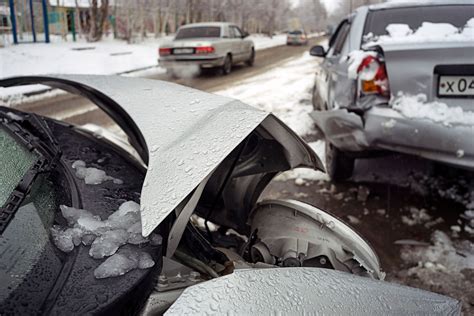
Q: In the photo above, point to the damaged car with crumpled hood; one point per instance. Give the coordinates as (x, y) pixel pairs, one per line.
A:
(398, 77)
(171, 219)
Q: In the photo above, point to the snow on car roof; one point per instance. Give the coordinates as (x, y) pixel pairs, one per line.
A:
(203, 24)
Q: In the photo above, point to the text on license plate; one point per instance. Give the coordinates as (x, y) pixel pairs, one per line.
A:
(183, 51)
(456, 86)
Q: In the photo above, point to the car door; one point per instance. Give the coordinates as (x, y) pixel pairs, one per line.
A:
(241, 50)
(340, 89)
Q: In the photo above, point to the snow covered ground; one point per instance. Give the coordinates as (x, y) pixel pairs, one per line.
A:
(102, 58)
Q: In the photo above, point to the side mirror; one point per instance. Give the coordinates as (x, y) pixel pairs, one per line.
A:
(317, 51)
(245, 34)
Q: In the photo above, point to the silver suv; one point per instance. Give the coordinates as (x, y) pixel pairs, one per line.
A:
(398, 77)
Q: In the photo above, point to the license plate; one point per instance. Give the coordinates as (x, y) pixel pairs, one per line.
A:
(180, 51)
(456, 86)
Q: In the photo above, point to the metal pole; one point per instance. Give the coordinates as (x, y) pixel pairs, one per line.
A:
(13, 21)
(46, 22)
(32, 17)
(73, 26)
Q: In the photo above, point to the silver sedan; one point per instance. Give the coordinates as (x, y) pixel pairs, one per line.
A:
(207, 45)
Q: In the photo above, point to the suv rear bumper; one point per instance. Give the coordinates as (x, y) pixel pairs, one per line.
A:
(382, 128)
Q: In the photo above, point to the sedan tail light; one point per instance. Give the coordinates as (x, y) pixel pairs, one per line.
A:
(165, 51)
(204, 50)
(372, 76)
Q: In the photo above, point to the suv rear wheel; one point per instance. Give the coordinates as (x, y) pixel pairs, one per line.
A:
(339, 166)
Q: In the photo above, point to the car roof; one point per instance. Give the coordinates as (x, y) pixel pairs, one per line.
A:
(201, 24)
(408, 3)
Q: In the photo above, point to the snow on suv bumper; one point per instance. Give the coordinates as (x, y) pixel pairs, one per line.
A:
(382, 128)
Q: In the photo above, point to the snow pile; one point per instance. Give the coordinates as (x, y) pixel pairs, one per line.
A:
(398, 30)
(92, 175)
(354, 59)
(285, 91)
(427, 32)
(417, 107)
(262, 41)
(302, 175)
(443, 255)
(105, 237)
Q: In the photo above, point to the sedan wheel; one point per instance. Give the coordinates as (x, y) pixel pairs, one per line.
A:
(251, 60)
(227, 67)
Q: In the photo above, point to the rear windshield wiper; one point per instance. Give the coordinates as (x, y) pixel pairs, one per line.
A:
(34, 133)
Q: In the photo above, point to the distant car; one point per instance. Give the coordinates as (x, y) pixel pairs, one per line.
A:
(208, 45)
(297, 37)
(358, 114)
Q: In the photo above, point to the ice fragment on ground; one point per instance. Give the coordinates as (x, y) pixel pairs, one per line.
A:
(416, 217)
(363, 193)
(107, 244)
(353, 220)
(455, 228)
(381, 211)
(122, 262)
(92, 175)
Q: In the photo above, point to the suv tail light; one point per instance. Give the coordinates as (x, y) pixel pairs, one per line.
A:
(372, 76)
(204, 50)
(165, 51)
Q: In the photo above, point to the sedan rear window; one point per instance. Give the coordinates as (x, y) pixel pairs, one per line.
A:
(295, 33)
(457, 15)
(199, 32)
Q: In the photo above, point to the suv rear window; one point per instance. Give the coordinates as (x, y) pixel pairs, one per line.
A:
(295, 33)
(199, 32)
(457, 15)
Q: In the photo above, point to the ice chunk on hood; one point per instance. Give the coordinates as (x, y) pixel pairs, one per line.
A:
(122, 262)
(92, 175)
(105, 236)
(107, 244)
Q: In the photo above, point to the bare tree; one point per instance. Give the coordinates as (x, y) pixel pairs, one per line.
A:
(97, 18)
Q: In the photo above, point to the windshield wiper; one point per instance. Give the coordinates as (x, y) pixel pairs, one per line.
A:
(34, 133)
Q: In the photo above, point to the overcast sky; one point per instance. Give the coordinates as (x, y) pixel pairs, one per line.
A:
(330, 5)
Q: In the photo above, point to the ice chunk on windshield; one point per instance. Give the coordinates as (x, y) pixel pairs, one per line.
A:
(92, 175)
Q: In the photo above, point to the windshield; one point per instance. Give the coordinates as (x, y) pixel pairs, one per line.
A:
(15, 161)
(199, 32)
(457, 15)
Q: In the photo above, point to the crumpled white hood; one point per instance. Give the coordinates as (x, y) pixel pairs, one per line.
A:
(188, 132)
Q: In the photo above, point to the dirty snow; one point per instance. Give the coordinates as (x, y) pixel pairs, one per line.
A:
(105, 237)
(92, 175)
(417, 107)
(444, 264)
(281, 91)
(427, 32)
